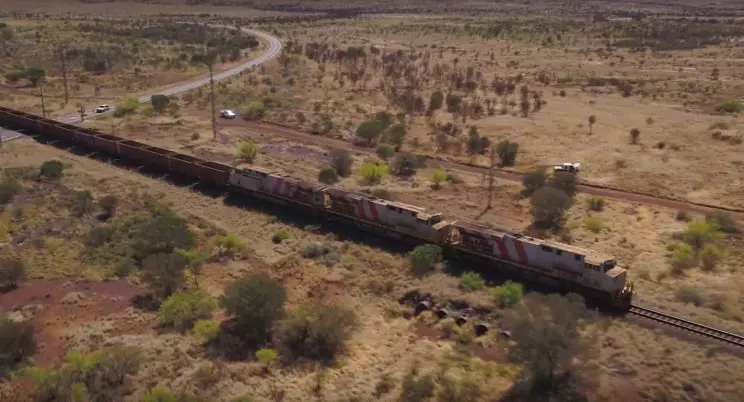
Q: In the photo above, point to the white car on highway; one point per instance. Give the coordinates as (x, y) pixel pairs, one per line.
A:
(227, 114)
(103, 108)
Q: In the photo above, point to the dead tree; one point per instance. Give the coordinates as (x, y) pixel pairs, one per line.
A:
(491, 178)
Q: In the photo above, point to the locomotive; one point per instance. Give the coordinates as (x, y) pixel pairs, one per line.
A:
(594, 275)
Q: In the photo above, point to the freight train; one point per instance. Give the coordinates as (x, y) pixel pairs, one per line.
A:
(592, 274)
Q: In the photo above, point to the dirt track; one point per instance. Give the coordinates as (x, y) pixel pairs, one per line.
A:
(586, 188)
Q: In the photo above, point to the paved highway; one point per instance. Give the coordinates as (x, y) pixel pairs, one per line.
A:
(275, 47)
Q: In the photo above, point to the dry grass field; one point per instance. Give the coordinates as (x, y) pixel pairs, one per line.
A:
(677, 82)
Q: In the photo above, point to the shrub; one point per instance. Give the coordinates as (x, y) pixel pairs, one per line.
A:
(416, 389)
(256, 302)
(328, 175)
(253, 111)
(724, 221)
(682, 216)
(109, 204)
(533, 180)
(267, 356)
(316, 332)
(634, 134)
(52, 169)
(17, 340)
(126, 107)
(248, 151)
(709, 257)
(8, 189)
(228, 246)
(164, 272)
(406, 164)
(12, 271)
(279, 236)
(341, 161)
(385, 151)
(206, 329)
(323, 252)
(471, 282)
(700, 233)
(509, 294)
(596, 203)
(548, 206)
(507, 152)
(683, 257)
(159, 102)
(690, 294)
(730, 106)
(437, 177)
(160, 394)
(423, 258)
(594, 224)
(372, 173)
(436, 100)
(451, 390)
(182, 309)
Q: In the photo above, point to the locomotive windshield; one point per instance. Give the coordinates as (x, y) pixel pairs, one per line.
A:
(434, 220)
(608, 265)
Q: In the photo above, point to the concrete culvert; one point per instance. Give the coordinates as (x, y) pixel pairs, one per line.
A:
(482, 328)
(443, 313)
(461, 320)
(422, 306)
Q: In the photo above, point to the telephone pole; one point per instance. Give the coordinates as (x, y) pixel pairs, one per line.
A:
(62, 54)
(212, 99)
(491, 179)
(43, 107)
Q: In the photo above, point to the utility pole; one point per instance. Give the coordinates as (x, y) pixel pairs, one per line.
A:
(43, 107)
(62, 54)
(491, 179)
(212, 99)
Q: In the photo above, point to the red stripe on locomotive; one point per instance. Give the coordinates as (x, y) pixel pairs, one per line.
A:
(521, 253)
(373, 210)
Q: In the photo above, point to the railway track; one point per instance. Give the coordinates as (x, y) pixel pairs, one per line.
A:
(687, 325)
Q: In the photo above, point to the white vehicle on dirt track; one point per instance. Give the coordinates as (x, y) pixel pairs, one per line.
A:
(567, 167)
(227, 114)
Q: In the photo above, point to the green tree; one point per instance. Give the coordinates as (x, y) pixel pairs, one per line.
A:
(509, 294)
(507, 152)
(548, 206)
(634, 134)
(206, 329)
(533, 180)
(423, 258)
(437, 177)
(552, 344)
(436, 100)
(255, 302)
(372, 173)
(565, 181)
(405, 164)
(316, 332)
(683, 257)
(83, 202)
(34, 75)
(396, 135)
(164, 233)
(17, 340)
(370, 130)
(328, 175)
(700, 233)
(341, 161)
(164, 272)
(253, 111)
(182, 309)
(709, 257)
(267, 356)
(159, 102)
(248, 151)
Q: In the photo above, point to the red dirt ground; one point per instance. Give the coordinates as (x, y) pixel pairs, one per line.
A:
(56, 320)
